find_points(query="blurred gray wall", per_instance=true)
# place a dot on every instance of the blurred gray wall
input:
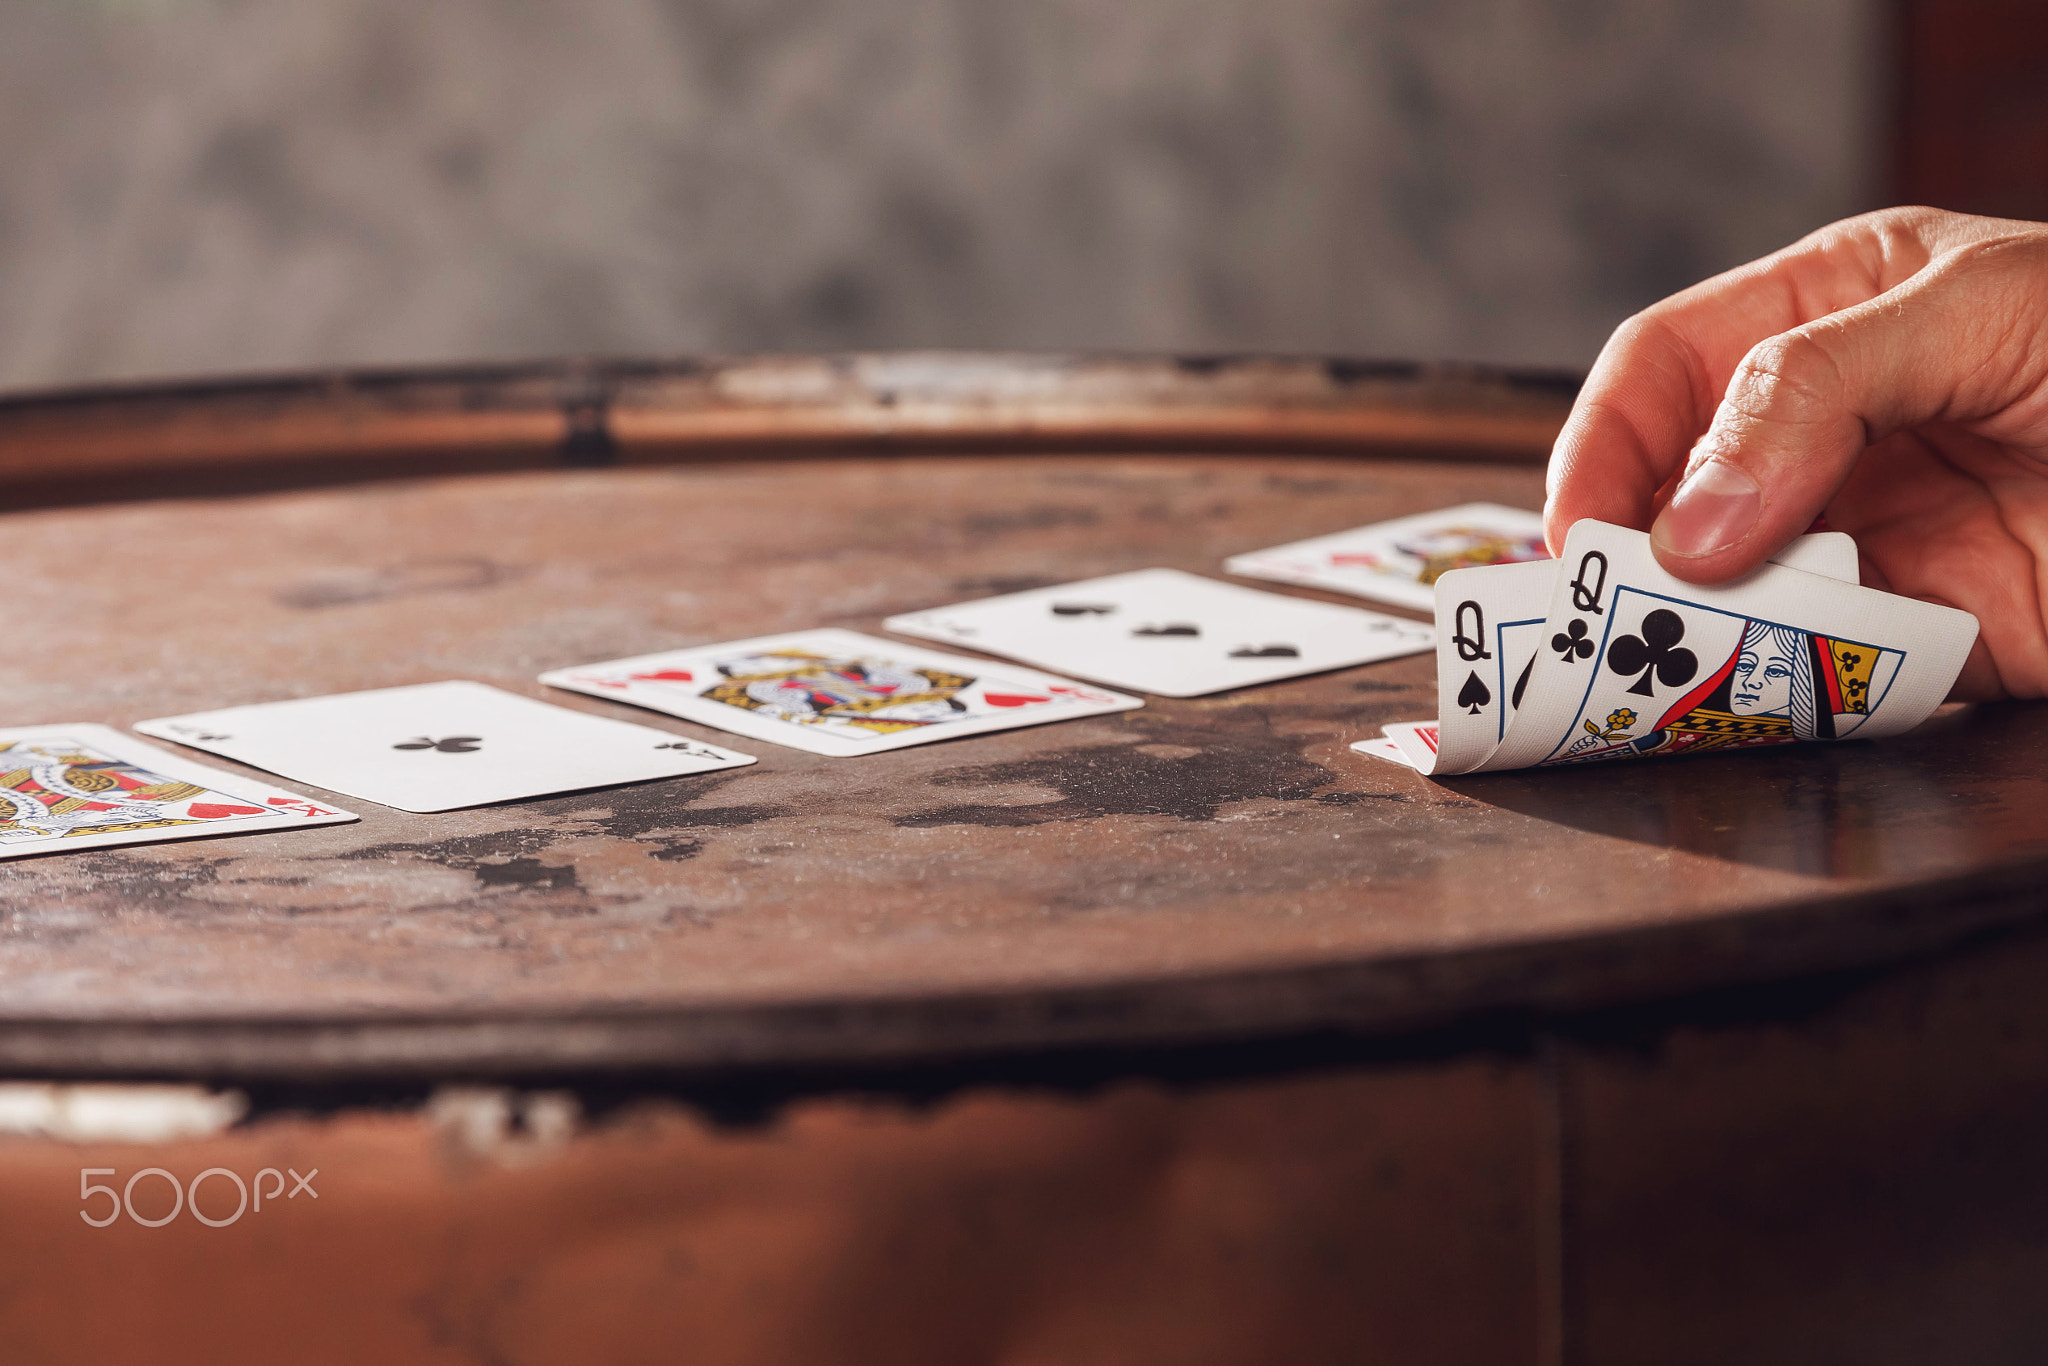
(190, 186)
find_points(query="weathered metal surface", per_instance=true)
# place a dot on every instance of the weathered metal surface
(1215, 867)
(63, 445)
(1378, 1217)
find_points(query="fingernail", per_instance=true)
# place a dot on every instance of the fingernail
(1714, 508)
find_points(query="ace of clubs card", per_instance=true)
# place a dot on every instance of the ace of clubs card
(838, 693)
(441, 746)
(1168, 633)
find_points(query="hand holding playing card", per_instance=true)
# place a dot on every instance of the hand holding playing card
(1606, 656)
(1890, 371)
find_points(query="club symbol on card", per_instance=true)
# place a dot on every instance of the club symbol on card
(1266, 652)
(1082, 609)
(1656, 653)
(454, 744)
(1175, 628)
(689, 747)
(1571, 642)
(202, 735)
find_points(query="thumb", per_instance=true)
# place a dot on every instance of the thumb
(1803, 405)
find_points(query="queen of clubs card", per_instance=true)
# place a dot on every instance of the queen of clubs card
(1778, 685)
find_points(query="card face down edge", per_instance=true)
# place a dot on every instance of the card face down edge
(838, 693)
(441, 746)
(83, 786)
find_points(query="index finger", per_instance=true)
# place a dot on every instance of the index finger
(1653, 391)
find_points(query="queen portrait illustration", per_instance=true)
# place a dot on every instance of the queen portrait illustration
(1778, 685)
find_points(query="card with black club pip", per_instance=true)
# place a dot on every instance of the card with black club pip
(441, 746)
(838, 693)
(1168, 633)
(1399, 561)
(83, 786)
(1486, 657)
(1622, 660)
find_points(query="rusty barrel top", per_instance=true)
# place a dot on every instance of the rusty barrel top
(1220, 868)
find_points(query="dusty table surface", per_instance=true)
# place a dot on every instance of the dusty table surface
(1220, 867)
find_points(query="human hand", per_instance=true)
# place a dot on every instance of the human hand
(1889, 372)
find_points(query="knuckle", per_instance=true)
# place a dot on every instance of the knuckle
(1789, 377)
(2022, 249)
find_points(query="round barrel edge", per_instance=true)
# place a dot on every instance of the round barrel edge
(133, 440)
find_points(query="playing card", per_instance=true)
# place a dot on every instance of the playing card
(1173, 634)
(1636, 662)
(1414, 744)
(82, 786)
(1491, 622)
(1400, 561)
(1831, 554)
(1494, 618)
(1381, 747)
(441, 746)
(838, 692)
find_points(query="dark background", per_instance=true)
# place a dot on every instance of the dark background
(196, 186)
(191, 186)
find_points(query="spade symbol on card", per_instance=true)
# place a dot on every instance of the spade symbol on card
(1082, 609)
(1474, 694)
(1176, 628)
(454, 744)
(1266, 652)
(1522, 683)
(1656, 652)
